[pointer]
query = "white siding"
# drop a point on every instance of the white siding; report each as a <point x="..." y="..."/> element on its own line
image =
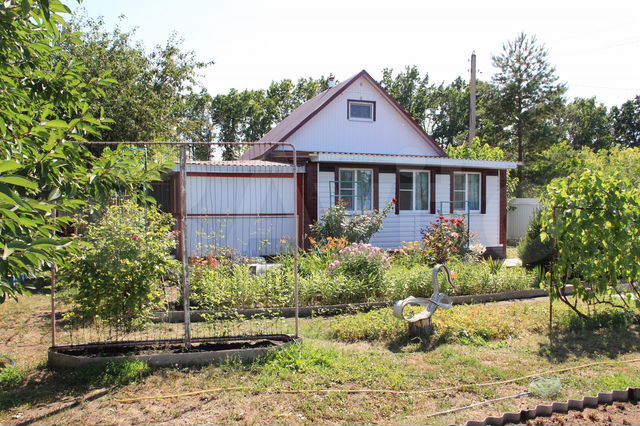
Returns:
<point x="225" y="212"/>
<point x="324" y="191"/>
<point x="520" y="217"/>
<point x="443" y="193"/>
<point x="331" y="131"/>
<point x="407" y="225"/>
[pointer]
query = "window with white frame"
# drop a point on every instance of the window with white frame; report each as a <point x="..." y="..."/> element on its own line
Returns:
<point x="355" y="189"/>
<point x="414" y="190"/>
<point x="361" y="110"/>
<point x="466" y="192"/>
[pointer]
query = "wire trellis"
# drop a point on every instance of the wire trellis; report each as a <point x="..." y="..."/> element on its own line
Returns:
<point x="233" y="221"/>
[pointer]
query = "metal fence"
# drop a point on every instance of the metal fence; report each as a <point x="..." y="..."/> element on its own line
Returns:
<point x="236" y="236"/>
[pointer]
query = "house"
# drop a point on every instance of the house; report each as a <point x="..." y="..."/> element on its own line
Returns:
<point x="353" y="144"/>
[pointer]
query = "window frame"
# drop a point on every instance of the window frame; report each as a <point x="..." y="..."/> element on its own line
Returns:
<point x="466" y="192"/>
<point x="372" y="104"/>
<point x="355" y="171"/>
<point x="413" y="190"/>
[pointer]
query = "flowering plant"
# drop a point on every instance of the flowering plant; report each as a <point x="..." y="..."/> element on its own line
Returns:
<point x="446" y="237"/>
<point x="362" y="261"/>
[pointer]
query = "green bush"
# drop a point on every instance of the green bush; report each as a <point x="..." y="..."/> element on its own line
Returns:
<point x="234" y="286"/>
<point x="403" y="281"/>
<point x="11" y="377"/>
<point x="119" y="276"/>
<point x="478" y="278"/>
<point x="531" y="250"/>
<point x="338" y="223"/>
<point x="594" y="220"/>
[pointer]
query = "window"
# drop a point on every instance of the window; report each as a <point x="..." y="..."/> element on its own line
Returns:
<point x="466" y="192"/>
<point x="414" y="190"/>
<point x="355" y="189"/>
<point x="361" y="110"/>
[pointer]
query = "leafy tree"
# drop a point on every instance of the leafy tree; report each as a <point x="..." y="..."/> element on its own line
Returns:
<point x="626" y="123"/>
<point x="246" y="116"/>
<point x="527" y="96"/>
<point x="586" y="123"/>
<point x="153" y="98"/>
<point x="45" y="106"/>
<point x="449" y="112"/>
<point x="410" y="89"/>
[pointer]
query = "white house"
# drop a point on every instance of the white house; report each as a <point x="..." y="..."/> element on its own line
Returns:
<point x="354" y="144"/>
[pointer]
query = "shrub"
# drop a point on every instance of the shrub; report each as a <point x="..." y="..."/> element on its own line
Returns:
<point x="403" y="281"/>
<point x="234" y="286"/>
<point x="11" y="377"/>
<point x="363" y="262"/>
<point x="594" y="220"/>
<point x="531" y="250"/>
<point x="479" y="278"/>
<point x="446" y="237"/>
<point x="119" y="276"/>
<point x="338" y="223"/>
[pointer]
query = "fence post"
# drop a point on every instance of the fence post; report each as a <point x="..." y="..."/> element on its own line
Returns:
<point x="54" y="339"/>
<point x="184" y="252"/>
<point x="297" y="237"/>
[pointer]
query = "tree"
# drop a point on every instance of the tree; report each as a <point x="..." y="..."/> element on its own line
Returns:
<point x="410" y="89"/>
<point x="45" y="108"/>
<point x="448" y="112"/>
<point x="626" y="123"/>
<point x="151" y="101"/>
<point x="586" y="124"/>
<point x="527" y="96"/>
<point x="246" y="116"/>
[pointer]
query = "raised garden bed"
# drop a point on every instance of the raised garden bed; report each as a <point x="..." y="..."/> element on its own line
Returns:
<point x="168" y="352"/>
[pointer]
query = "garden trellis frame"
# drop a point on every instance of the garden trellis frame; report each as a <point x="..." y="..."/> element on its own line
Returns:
<point x="186" y="174"/>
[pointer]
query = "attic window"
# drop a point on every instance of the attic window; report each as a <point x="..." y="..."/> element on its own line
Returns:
<point x="361" y="110"/>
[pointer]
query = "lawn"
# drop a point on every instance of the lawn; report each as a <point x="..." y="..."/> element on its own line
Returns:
<point x="308" y="384"/>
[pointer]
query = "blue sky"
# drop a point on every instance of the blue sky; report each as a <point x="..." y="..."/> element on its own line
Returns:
<point x="593" y="44"/>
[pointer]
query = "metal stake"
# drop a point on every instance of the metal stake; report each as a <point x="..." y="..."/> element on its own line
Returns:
<point x="54" y="338"/>
<point x="184" y="252"/>
<point x="297" y="242"/>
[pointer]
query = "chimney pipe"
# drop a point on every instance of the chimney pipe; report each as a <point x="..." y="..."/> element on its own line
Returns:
<point x="331" y="81"/>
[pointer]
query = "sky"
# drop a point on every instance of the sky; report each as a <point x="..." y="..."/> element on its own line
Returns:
<point x="594" y="45"/>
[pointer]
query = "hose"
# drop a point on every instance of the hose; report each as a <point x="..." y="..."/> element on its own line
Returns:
<point x="383" y="391"/>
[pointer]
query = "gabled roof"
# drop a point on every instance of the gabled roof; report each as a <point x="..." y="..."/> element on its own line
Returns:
<point x="294" y="121"/>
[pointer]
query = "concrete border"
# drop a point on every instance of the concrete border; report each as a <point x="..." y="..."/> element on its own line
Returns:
<point x="629" y="395"/>
<point x="68" y="357"/>
<point x="330" y="310"/>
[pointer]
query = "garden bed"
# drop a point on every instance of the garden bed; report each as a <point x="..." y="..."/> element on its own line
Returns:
<point x="167" y="352"/>
<point x="329" y="310"/>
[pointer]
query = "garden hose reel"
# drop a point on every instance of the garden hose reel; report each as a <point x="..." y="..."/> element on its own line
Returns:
<point x="431" y="304"/>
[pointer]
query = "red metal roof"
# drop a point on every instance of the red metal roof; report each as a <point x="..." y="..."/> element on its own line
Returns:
<point x="307" y="110"/>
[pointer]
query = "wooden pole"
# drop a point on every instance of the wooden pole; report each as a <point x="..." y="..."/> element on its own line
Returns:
<point x="184" y="252"/>
<point x="472" y="101"/>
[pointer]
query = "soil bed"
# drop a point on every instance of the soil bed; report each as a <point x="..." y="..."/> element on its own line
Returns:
<point x="616" y="414"/>
<point x="168" y="352"/>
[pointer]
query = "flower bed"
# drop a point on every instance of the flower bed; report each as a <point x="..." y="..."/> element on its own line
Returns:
<point x="345" y="274"/>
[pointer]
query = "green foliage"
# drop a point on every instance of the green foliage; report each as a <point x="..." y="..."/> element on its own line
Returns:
<point x="476" y="151"/>
<point x="531" y="250"/>
<point x="587" y="124"/>
<point x="299" y="358"/>
<point x="527" y="96"/>
<point x="479" y="278"/>
<point x="365" y="263"/>
<point x="233" y="286"/>
<point x="626" y="123"/>
<point x="338" y="223"/>
<point x="45" y="106"/>
<point x="445" y="238"/>
<point x="120" y="274"/>
<point x="123" y="373"/>
<point x="153" y="97"/>
<point x="593" y="219"/>
<point x="11" y="377"/>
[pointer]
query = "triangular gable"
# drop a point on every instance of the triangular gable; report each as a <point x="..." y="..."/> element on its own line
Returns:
<point x="287" y="128"/>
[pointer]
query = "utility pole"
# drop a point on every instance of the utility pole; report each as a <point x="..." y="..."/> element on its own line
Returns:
<point x="472" y="101"/>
